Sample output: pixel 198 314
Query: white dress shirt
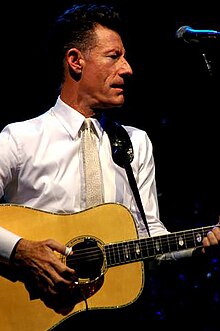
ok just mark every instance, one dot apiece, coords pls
pixel 41 167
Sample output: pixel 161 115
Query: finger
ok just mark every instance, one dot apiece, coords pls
pixel 56 246
pixel 212 240
pixel 206 242
pixel 216 231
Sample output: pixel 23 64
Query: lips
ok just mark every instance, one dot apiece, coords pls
pixel 120 86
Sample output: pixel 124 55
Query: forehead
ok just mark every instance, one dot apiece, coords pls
pixel 107 39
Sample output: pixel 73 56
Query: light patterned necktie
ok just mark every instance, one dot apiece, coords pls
pixel 91 163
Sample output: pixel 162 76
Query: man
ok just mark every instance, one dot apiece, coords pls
pixel 41 158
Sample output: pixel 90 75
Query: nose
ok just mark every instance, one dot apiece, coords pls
pixel 126 68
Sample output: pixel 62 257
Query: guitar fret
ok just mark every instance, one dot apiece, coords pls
pixel 165 244
pixel 116 253
pixel 126 251
pixel 108 255
pixel 180 241
pixel 159 246
pixel 138 251
pixel 113 253
pixel 151 250
pixel 172 242
pixel 198 236
pixel 194 240
pixel 143 248
pixel 185 241
pixel 135 250
pixel 191 239
pixel 121 253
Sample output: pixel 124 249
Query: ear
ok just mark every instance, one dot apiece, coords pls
pixel 74 60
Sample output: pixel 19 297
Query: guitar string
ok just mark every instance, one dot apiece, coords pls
pixel 94 252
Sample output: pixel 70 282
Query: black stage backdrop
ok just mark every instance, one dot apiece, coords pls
pixel 174 98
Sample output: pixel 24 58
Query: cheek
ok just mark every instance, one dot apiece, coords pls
pixel 97 78
pixel 93 74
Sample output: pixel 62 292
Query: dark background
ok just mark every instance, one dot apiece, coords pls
pixel 173 97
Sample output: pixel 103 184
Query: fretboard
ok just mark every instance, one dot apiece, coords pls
pixel 140 249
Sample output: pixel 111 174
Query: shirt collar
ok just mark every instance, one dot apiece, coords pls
pixel 72 120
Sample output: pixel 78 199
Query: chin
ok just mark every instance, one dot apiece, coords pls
pixel 119 101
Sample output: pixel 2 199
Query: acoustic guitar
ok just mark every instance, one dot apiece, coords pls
pixel 108 257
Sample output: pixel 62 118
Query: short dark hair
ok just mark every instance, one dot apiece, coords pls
pixel 75 27
pixel 77 22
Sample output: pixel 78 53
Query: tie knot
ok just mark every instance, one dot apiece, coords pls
pixel 87 123
pixel 89 127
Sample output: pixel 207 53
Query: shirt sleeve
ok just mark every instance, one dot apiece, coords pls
pixel 8 241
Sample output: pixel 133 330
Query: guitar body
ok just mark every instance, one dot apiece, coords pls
pixel 118 286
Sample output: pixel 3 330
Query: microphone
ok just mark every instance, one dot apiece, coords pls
pixel 191 35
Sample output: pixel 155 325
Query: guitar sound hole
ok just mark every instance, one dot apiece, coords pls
pixel 87 259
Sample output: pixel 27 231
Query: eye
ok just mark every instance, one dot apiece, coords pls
pixel 114 56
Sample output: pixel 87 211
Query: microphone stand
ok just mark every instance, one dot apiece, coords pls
pixel 206 50
pixel 207 63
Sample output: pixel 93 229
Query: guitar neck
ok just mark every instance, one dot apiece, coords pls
pixel 140 249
